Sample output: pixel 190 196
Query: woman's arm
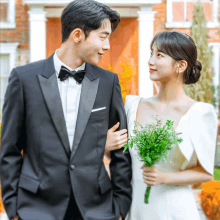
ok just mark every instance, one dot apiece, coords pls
pixel 152 176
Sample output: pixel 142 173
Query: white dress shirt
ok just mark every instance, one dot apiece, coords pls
pixel 70 92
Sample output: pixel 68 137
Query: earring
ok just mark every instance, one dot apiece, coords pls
pixel 177 69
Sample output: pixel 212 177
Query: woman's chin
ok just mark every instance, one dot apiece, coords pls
pixel 154 78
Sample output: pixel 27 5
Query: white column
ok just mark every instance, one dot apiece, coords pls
pixel 169 11
pixel 37 18
pixel 146 33
pixel 215 11
pixel 215 64
pixel 3 216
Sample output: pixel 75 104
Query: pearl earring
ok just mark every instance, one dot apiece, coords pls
pixel 177 69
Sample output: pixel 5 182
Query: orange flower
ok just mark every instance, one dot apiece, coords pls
pixel 126 78
pixel 1 203
pixel 210 199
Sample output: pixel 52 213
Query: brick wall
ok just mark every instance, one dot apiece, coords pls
pixel 160 17
pixel 20 34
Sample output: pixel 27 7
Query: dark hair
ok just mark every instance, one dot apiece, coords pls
pixel 180 47
pixel 87 15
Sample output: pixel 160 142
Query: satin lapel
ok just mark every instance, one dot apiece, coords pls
pixel 51 94
pixel 87 99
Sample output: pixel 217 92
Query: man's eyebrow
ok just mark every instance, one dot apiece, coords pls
pixel 105 32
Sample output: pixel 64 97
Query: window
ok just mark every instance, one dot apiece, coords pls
pixel 7 12
pixel 3 11
pixel 7 63
pixel 4 74
pixel 180 13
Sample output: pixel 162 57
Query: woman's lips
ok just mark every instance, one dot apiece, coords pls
pixel 152 70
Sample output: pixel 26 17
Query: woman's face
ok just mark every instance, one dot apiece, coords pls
pixel 162 67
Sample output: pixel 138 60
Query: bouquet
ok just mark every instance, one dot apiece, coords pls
pixel 153 142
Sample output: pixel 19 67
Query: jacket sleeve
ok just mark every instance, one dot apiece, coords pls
pixel 120 165
pixel 12 142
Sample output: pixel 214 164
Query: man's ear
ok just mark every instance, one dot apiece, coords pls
pixel 77 35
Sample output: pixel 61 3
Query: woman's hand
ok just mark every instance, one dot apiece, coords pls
pixel 115 139
pixel 152 176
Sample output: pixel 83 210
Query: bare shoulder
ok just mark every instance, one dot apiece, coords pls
pixel 146 105
pixel 148 102
pixel 190 101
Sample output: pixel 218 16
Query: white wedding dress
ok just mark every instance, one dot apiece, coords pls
pixel 199 130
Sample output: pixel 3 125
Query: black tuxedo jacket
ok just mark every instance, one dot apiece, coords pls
pixel 38 185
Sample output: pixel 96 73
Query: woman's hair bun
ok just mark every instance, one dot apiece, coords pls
pixel 192 75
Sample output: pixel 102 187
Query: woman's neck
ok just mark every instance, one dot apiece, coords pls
pixel 171 93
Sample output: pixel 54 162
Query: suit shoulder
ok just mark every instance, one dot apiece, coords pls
pixel 30 68
pixel 103 72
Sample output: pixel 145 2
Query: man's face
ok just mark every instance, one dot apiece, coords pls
pixel 97 43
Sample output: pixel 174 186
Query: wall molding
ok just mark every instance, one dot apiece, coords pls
pixel 107 2
pixel 123 11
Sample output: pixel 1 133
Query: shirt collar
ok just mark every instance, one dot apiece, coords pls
pixel 58 63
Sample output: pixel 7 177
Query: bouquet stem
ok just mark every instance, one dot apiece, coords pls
pixel 147 194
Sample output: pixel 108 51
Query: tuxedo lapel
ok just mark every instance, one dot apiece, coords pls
pixel 49 86
pixel 88 94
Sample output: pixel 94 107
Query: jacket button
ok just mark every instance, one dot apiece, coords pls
pixel 72 167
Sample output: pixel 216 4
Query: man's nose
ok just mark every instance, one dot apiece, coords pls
pixel 106 45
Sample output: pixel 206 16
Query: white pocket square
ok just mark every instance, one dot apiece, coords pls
pixel 98 109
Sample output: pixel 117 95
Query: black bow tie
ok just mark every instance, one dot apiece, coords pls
pixel 65 73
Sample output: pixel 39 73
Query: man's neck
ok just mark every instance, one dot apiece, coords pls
pixel 69 57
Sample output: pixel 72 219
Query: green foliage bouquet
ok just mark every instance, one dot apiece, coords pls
pixel 153 142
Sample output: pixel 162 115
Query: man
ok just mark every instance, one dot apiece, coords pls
pixel 58 112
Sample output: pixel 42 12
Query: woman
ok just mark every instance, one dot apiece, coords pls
pixel 173 62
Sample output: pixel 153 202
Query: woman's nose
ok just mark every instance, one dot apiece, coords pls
pixel 151 61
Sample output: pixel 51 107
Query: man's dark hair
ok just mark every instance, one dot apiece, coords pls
pixel 87 15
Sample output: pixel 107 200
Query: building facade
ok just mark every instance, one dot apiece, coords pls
pixel 30 30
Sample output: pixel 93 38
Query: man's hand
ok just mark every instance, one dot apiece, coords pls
pixel 121 217
pixel 15 218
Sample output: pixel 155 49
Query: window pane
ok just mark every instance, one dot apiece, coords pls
pixel 3 11
pixel 4 74
pixel 178 11
pixel 207 6
pixel 208 10
pixel 4 65
pixel 4 83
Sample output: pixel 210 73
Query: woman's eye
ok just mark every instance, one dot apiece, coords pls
pixel 159 55
pixel 151 53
